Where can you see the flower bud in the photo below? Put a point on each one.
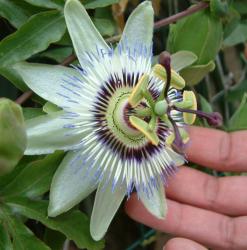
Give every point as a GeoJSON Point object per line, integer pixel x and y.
{"type": "Point", "coordinates": [13, 137]}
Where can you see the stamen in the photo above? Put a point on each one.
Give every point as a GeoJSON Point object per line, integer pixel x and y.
{"type": "Point", "coordinates": [145, 128]}
{"type": "Point", "coordinates": [136, 95]}
{"type": "Point", "coordinates": [176, 80]}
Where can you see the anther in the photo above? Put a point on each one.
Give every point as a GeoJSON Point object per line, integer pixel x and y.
{"type": "Point", "coordinates": [136, 95]}
{"type": "Point", "coordinates": [145, 129]}
{"type": "Point", "coordinates": [176, 80]}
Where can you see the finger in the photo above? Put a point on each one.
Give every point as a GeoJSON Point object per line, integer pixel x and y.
{"type": "Point", "coordinates": [225, 195]}
{"type": "Point", "coordinates": [217, 149]}
{"type": "Point", "coordinates": [207, 227]}
{"type": "Point", "coordinates": [181, 243]}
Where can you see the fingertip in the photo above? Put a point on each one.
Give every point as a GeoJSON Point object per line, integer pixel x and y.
{"type": "Point", "coordinates": [136, 210]}
{"type": "Point", "coordinates": [130, 204]}
{"type": "Point", "coordinates": [182, 243]}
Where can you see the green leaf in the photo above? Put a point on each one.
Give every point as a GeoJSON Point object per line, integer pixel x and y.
{"type": "Point", "coordinates": [22, 237]}
{"type": "Point", "coordinates": [32, 38]}
{"type": "Point", "coordinates": [182, 59]}
{"type": "Point", "coordinates": [50, 4]}
{"type": "Point", "coordinates": [104, 22]}
{"type": "Point", "coordinates": [104, 26]}
{"type": "Point", "coordinates": [15, 15]}
{"type": "Point", "coordinates": [65, 40]}
{"type": "Point", "coordinates": [240, 6]}
{"type": "Point", "coordinates": [13, 135]}
{"type": "Point", "coordinates": [93, 4]}
{"type": "Point", "coordinates": [16, 12]}
{"type": "Point", "coordinates": [194, 74]}
{"type": "Point", "coordinates": [219, 8]}
{"type": "Point", "coordinates": [13, 76]}
{"type": "Point", "coordinates": [57, 54]}
{"type": "Point", "coordinates": [30, 113]}
{"type": "Point", "coordinates": [236, 92]}
{"type": "Point", "coordinates": [54, 239]}
{"type": "Point", "coordinates": [205, 105]}
{"type": "Point", "coordinates": [35, 179]}
{"type": "Point", "coordinates": [5, 242]}
{"type": "Point", "coordinates": [74, 224]}
{"type": "Point", "coordinates": [6, 179]}
{"type": "Point", "coordinates": [200, 33]}
{"type": "Point", "coordinates": [238, 35]}
{"type": "Point", "coordinates": [238, 121]}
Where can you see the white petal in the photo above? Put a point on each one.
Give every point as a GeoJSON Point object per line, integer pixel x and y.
{"type": "Point", "coordinates": [139, 27]}
{"type": "Point", "coordinates": [84, 35]}
{"type": "Point", "coordinates": [72, 182]}
{"type": "Point", "coordinates": [155, 203]}
{"type": "Point", "coordinates": [49, 133]}
{"type": "Point", "coordinates": [106, 205]}
{"type": "Point", "coordinates": [52, 82]}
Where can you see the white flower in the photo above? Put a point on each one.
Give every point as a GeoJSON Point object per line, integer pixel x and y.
{"type": "Point", "coordinates": [106, 150]}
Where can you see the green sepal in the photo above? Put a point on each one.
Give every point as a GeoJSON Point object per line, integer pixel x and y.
{"type": "Point", "coordinates": [182, 59]}
{"type": "Point", "coordinates": [195, 74]}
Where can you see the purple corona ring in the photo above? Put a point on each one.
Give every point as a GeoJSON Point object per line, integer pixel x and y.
{"type": "Point", "coordinates": [120, 118]}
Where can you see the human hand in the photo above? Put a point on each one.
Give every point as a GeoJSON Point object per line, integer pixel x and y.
{"type": "Point", "coordinates": [201, 207]}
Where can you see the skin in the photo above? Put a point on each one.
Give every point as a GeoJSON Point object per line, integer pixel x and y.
{"type": "Point", "coordinates": [203, 210]}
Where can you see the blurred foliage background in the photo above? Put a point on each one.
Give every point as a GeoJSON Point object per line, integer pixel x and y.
{"type": "Point", "coordinates": [35, 30]}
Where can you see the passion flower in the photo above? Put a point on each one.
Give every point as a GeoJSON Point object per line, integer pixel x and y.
{"type": "Point", "coordinates": [122, 120]}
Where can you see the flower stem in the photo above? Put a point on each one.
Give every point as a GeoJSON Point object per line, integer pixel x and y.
{"type": "Point", "coordinates": [200, 6]}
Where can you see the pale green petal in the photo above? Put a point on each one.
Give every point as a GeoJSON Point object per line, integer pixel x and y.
{"type": "Point", "coordinates": [182, 59]}
{"type": "Point", "coordinates": [72, 182]}
{"type": "Point", "coordinates": [106, 205]}
{"type": "Point", "coordinates": [83, 33]}
{"type": "Point", "coordinates": [155, 203]}
{"type": "Point", "coordinates": [177, 159]}
{"type": "Point", "coordinates": [139, 27]}
{"type": "Point", "coordinates": [48, 133]}
{"type": "Point", "coordinates": [194, 74]}
{"type": "Point", "coordinates": [47, 81]}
